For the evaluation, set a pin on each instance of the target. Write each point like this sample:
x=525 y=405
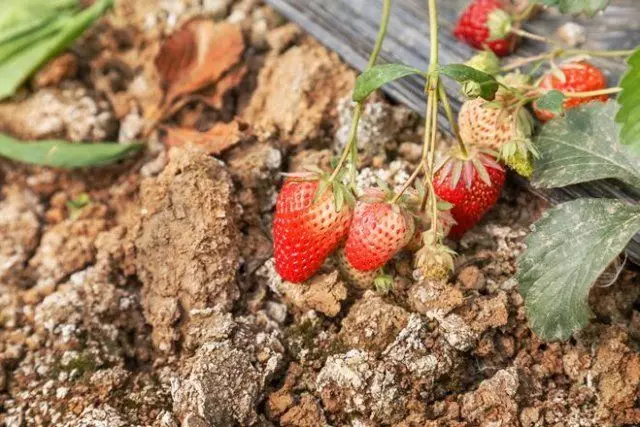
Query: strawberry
x=501 y=126
x=379 y=231
x=472 y=183
x=306 y=231
x=573 y=77
x=356 y=278
x=487 y=24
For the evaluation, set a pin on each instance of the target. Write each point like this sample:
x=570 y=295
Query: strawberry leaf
x=62 y=154
x=629 y=100
x=552 y=101
x=379 y=75
x=556 y=273
x=461 y=73
x=588 y=7
x=582 y=146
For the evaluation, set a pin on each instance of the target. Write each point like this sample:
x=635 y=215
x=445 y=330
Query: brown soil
x=157 y=303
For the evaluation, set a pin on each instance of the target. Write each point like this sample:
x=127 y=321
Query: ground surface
x=156 y=303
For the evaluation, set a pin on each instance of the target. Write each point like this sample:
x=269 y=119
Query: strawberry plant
x=581 y=135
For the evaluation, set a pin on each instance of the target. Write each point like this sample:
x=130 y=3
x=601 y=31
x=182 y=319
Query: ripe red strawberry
x=378 y=232
x=483 y=19
x=472 y=184
x=305 y=231
x=578 y=77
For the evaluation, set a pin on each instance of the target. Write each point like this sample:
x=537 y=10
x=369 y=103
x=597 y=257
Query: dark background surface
x=349 y=27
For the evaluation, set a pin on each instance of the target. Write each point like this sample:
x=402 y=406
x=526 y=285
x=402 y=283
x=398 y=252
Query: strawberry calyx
x=434 y=260
x=341 y=193
x=383 y=283
x=460 y=165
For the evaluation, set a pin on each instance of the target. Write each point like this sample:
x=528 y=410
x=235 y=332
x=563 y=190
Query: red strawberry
x=378 y=232
x=305 y=231
x=483 y=19
x=578 y=77
x=472 y=184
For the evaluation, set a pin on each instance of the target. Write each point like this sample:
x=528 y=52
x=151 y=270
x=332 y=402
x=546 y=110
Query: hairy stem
x=561 y=53
x=442 y=95
x=432 y=98
x=528 y=35
x=357 y=112
x=588 y=94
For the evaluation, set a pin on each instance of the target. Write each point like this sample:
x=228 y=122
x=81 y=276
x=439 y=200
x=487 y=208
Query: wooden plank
x=349 y=27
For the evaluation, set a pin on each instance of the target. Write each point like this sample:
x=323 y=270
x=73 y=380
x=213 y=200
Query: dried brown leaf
x=219 y=138
x=197 y=55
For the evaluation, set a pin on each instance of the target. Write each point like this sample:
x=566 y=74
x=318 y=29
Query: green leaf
x=463 y=73
x=629 y=100
x=62 y=154
x=18 y=67
x=552 y=101
x=568 y=249
x=22 y=17
x=582 y=146
x=588 y=7
x=379 y=75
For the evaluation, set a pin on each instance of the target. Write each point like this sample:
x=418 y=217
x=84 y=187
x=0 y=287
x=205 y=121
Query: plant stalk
x=357 y=112
x=607 y=91
x=432 y=98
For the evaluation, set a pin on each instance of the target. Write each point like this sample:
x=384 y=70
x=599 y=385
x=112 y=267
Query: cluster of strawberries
x=316 y=214
x=503 y=125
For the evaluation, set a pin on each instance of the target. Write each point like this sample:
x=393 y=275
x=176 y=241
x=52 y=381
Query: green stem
x=599 y=53
x=357 y=112
x=442 y=95
x=532 y=36
x=560 y=53
x=525 y=14
x=432 y=98
x=608 y=91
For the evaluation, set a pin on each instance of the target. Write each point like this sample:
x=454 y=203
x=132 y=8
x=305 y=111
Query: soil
x=154 y=301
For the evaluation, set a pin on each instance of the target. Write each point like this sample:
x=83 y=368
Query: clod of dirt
x=225 y=380
x=379 y=125
x=70 y=112
x=462 y=330
x=434 y=297
x=297 y=93
x=283 y=37
x=617 y=367
x=372 y=323
x=187 y=243
x=67 y=247
x=381 y=388
x=19 y=231
x=306 y=413
x=354 y=383
x=493 y=404
x=323 y=293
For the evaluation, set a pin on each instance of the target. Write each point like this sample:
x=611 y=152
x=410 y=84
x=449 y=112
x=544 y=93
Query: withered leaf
x=197 y=55
x=219 y=138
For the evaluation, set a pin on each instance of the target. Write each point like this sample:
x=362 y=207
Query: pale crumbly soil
x=157 y=303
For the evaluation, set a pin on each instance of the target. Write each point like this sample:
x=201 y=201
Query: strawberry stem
x=561 y=53
x=529 y=35
x=431 y=117
x=607 y=91
x=525 y=14
x=350 y=148
x=442 y=95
